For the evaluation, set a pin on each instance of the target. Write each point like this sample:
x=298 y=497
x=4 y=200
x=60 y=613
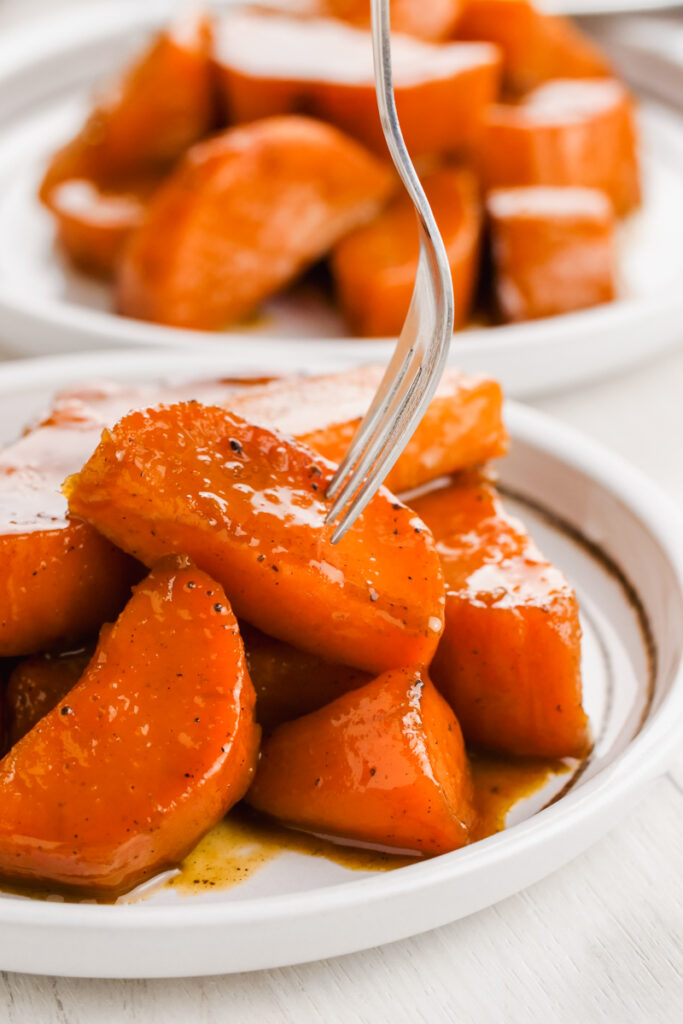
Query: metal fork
x=416 y=367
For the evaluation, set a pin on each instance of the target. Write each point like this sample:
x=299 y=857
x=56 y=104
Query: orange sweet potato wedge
x=374 y=267
x=536 y=47
x=462 y=427
x=427 y=19
x=162 y=104
x=248 y=506
x=272 y=64
x=148 y=751
x=37 y=684
x=61 y=578
x=553 y=250
x=290 y=682
x=242 y=216
x=509 y=662
x=384 y=764
x=94 y=224
x=565 y=133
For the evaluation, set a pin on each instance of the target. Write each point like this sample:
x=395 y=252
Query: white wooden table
x=600 y=941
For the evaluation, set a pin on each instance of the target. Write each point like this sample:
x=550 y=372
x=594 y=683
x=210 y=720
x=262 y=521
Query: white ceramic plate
x=46 y=75
x=618 y=540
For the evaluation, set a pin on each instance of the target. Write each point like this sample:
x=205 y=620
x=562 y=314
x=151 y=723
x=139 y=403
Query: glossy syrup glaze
x=244 y=842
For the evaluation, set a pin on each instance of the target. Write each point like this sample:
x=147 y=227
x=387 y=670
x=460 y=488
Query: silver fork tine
x=417 y=364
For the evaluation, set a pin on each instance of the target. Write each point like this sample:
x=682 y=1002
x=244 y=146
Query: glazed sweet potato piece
x=509 y=661
x=272 y=64
x=290 y=682
x=162 y=104
x=242 y=216
x=535 y=46
x=427 y=19
x=553 y=250
x=148 y=751
x=248 y=506
x=37 y=684
x=565 y=133
x=384 y=764
x=94 y=224
x=462 y=427
x=60 y=578
x=374 y=267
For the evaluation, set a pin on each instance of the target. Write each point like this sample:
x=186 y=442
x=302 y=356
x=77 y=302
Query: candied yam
x=536 y=47
x=148 y=751
x=462 y=427
x=553 y=250
x=384 y=764
x=248 y=506
x=94 y=224
x=37 y=684
x=272 y=64
x=374 y=268
x=242 y=215
x=565 y=133
x=290 y=682
x=509 y=661
x=427 y=19
x=162 y=104
x=61 y=578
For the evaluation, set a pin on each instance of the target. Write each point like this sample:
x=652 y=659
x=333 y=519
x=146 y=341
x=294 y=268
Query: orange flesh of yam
x=374 y=268
x=384 y=764
x=37 y=684
x=270 y=64
x=162 y=104
x=94 y=224
x=248 y=506
x=148 y=751
x=509 y=662
x=553 y=250
x=290 y=682
x=565 y=133
x=427 y=19
x=462 y=427
x=62 y=579
x=242 y=215
x=536 y=47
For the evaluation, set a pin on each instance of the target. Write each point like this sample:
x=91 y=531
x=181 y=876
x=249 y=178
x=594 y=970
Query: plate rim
x=642 y=760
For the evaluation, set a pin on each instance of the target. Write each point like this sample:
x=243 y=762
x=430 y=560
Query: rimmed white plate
x=619 y=541
x=46 y=75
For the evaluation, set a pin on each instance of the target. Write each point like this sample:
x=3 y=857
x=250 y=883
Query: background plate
x=46 y=74
x=620 y=544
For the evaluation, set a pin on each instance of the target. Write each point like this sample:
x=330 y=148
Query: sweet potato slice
x=509 y=661
x=94 y=224
x=148 y=751
x=565 y=133
x=290 y=682
x=272 y=64
x=242 y=216
x=248 y=506
x=536 y=47
x=374 y=267
x=384 y=764
x=60 y=578
x=427 y=19
x=162 y=104
x=37 y=684
x=462 y=427
x=553 y=250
